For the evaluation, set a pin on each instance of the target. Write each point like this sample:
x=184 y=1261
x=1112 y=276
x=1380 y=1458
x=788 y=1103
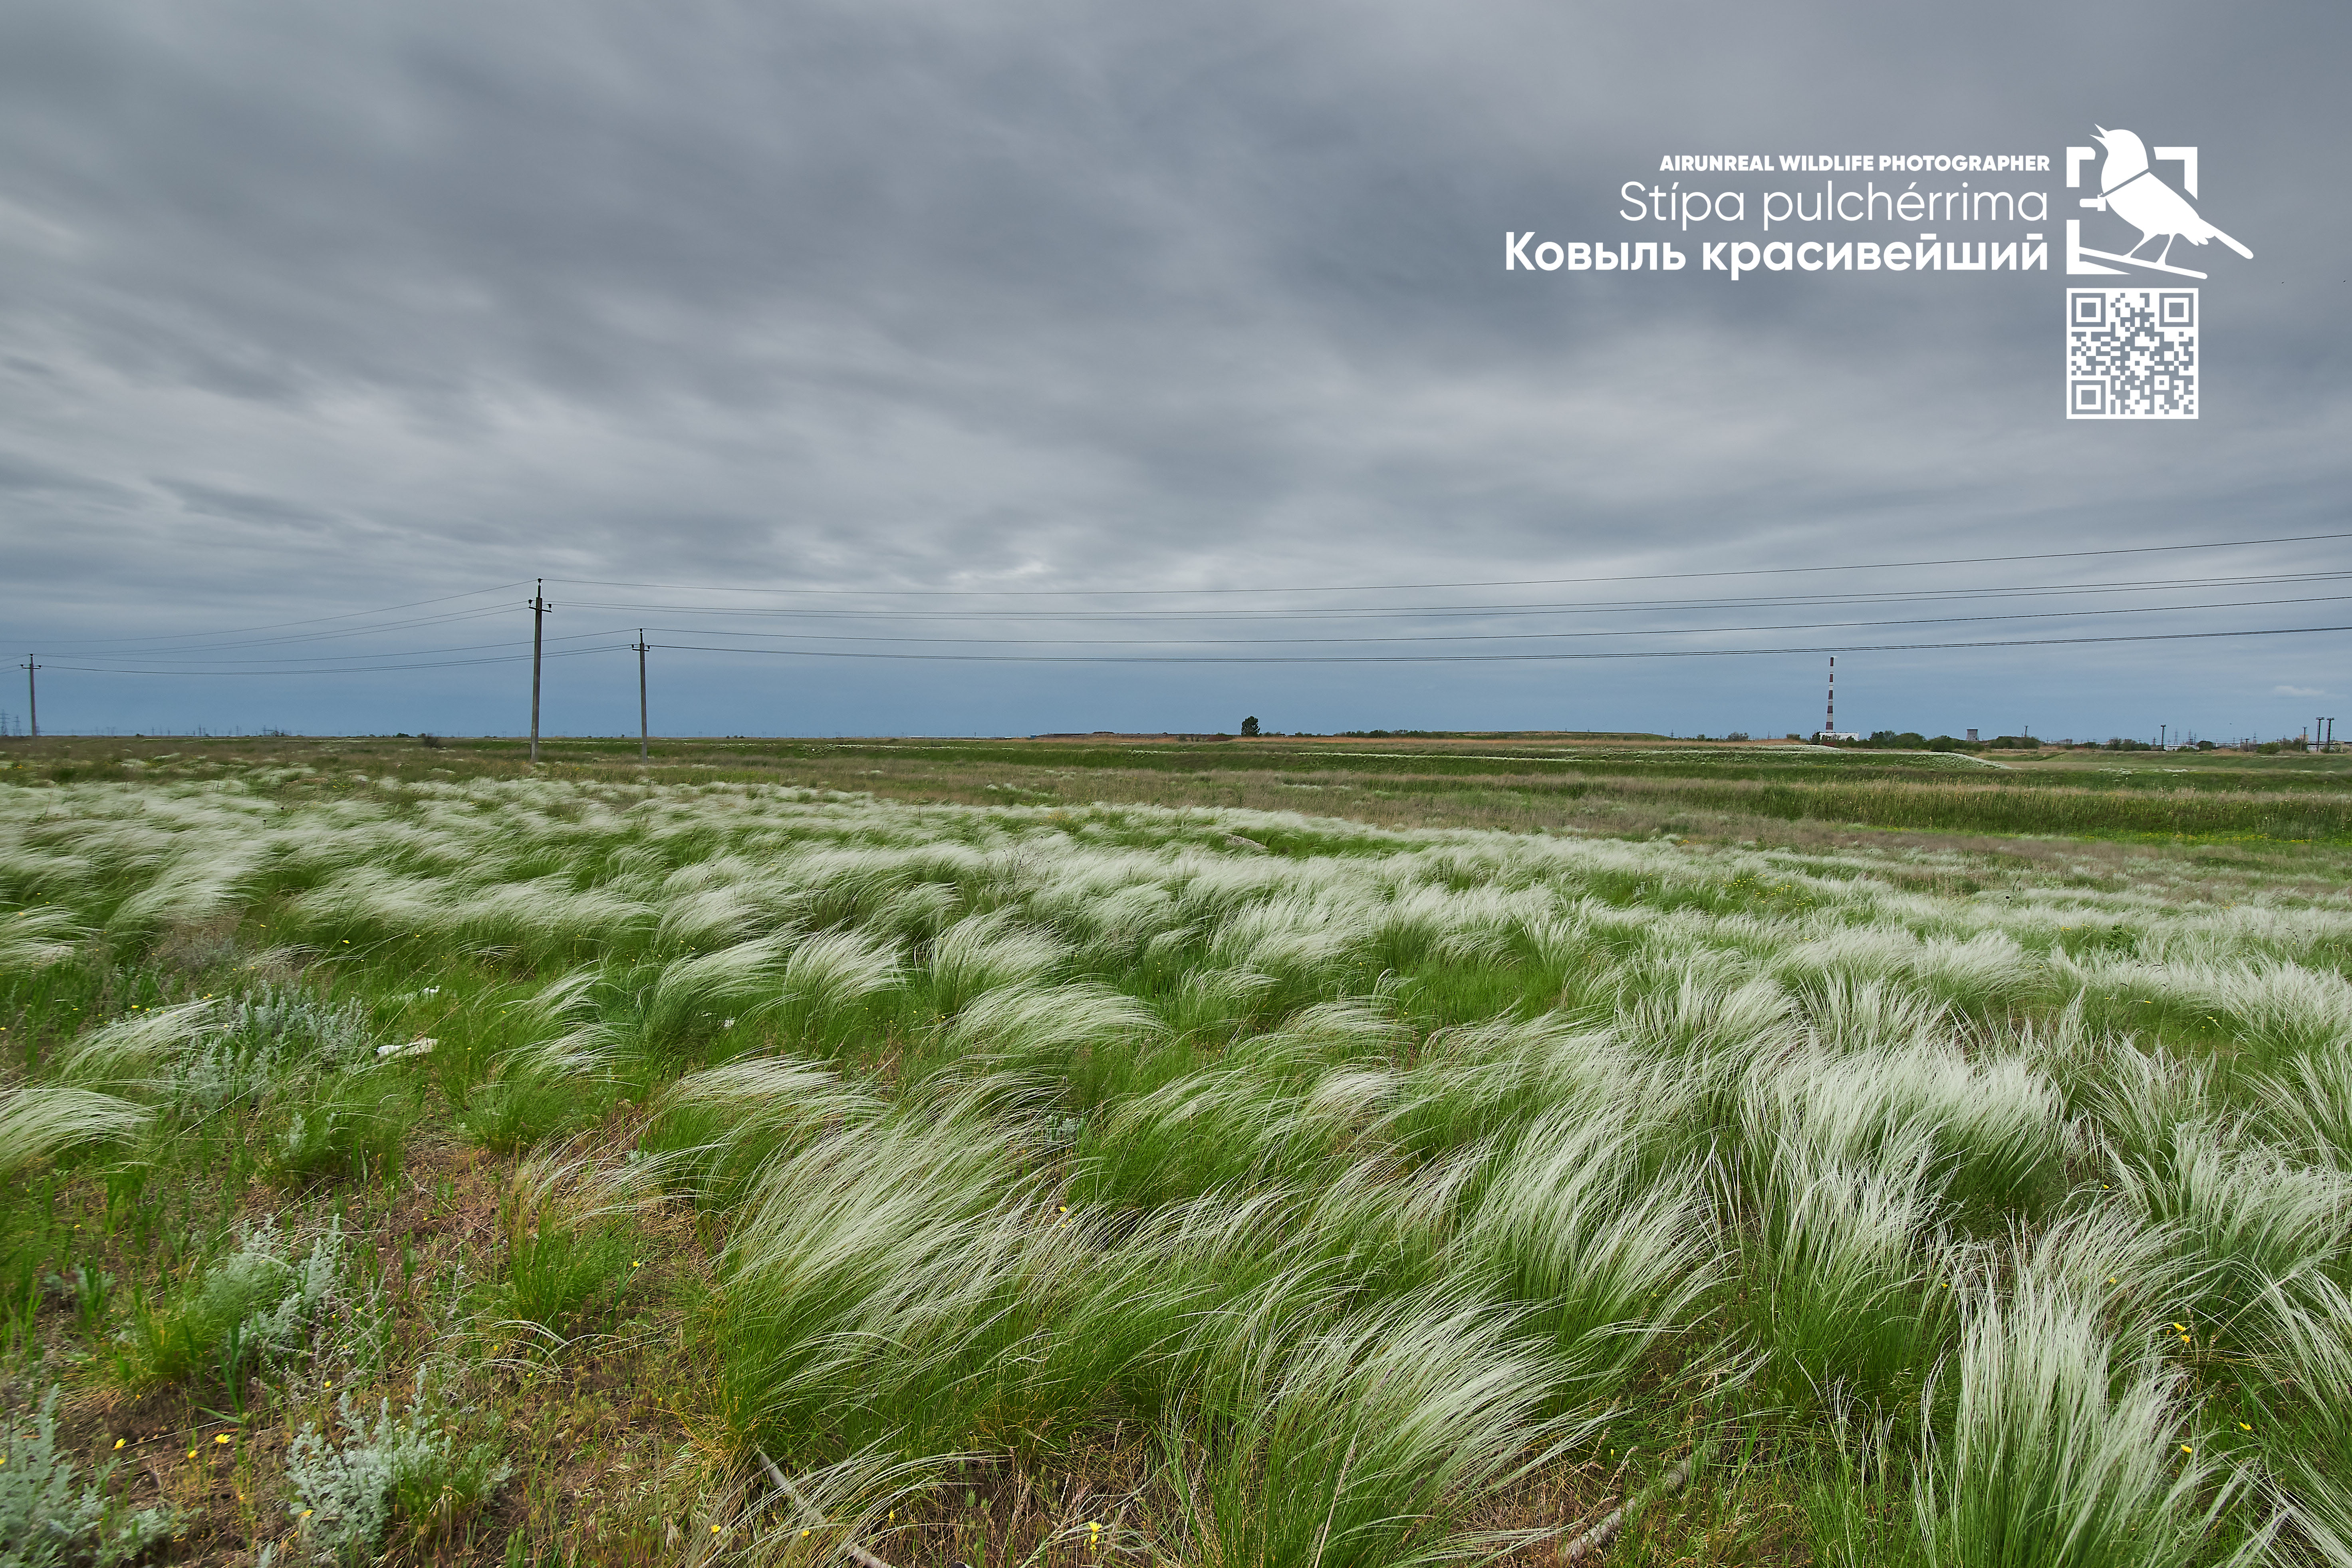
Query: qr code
x=2131 y=353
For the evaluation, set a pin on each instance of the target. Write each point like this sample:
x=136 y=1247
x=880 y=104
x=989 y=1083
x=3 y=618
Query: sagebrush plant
x=51 y=1519
x=408 y=1468
x=257 y=1304
x=352 y=1123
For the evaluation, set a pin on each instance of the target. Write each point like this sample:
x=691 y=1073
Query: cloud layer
x=311 y=311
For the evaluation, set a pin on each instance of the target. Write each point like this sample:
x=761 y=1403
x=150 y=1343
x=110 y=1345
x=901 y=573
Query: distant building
x=1824 y=736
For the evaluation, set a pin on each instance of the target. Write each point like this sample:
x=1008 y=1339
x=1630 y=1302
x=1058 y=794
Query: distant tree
x=1249 y=725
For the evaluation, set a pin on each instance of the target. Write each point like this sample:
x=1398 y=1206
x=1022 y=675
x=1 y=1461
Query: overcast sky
x=307 y=310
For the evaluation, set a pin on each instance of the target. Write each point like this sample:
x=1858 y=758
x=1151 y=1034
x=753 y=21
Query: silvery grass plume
x=813 y=1517
x=2063 y=1449
x=2306 y=1105
x=842 y=1250
x=2062 y=1044
x=716 y=1127
x=1110 y=925
x=565 y=1218
x=698 y=916
x=1556 y=939
x=1985 y=973
x=205 y=879
x=1385 y=1231
x=1848 y=1015
x=826 y=977
x=2243 y=1220
x=1072 y=1034
x=1995 y=1129
x=2278 y=1008
x=690 y=994
x=1327 y=1034
x=2107 y=1252
x=1681 y=1009
x=986 y=952
x=130 y=1053
x=28 y=872
x=374 y=897
x=1602 y=1259
x=1216 y=1005
x=2135 y=1100
x=2301 y=1367
x=846 y=885
x=915 y=914
x=1487 y=1078
x=546 y=1087
x=38 y=937
x=909 y=1284
x=2282 y=1008
x=1367 y=1440
x=1984 y=969
x=40 y=1121
x=1850 y=1281
x=1299 y=940
x=1221 y=1128
x=547 y=918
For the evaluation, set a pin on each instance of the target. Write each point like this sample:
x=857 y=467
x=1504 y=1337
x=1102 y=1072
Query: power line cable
x=224 y=665
x=314 y=620
x=1492 y=583
x=373 y=662
x=1521 y=636
x=1487 y=657
x=365 y=670
x=404 y=653
x=1605 y=606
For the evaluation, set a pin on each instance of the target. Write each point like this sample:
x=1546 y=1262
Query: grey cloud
x=406 y=298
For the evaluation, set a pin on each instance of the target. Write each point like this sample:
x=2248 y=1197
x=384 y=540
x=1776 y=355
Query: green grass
x=1182 y=1178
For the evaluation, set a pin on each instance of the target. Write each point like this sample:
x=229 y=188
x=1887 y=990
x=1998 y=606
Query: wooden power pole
x=538 y=620
x=642 y=731
x=33 y=697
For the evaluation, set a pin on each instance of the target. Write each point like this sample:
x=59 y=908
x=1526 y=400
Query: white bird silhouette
x=2132 y=191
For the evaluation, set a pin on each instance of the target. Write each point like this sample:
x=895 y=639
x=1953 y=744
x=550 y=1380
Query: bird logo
x=2130 y=188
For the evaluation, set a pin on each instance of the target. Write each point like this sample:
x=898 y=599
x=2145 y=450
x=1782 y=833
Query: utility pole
x=538 y=620
x=32 y=697
x=641 y=694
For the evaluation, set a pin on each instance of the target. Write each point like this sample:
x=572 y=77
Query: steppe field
x=1277 y=1153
